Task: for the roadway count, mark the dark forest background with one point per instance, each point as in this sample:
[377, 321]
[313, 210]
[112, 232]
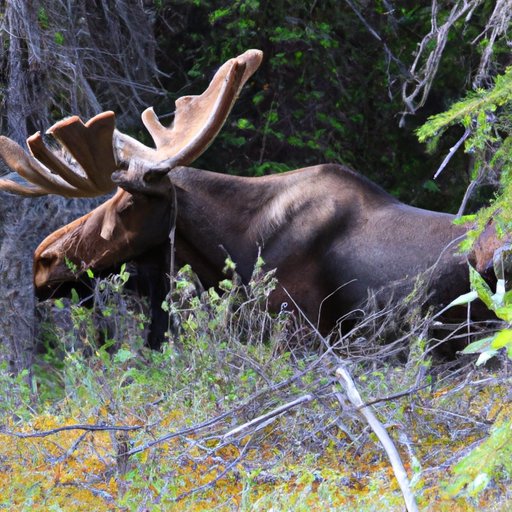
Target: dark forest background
[336, 84]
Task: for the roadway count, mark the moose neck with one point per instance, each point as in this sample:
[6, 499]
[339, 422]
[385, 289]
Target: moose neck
[215, 217]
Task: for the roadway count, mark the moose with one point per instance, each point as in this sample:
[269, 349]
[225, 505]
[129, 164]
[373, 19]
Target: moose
[332, 235]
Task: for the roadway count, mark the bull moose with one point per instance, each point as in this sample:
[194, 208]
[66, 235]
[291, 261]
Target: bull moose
[331, 234]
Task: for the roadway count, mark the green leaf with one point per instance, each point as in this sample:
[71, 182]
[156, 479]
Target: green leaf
[229, 266]
[485, 356]
[59, 38]
[504, 313]
[461, 300]
[226, 285]
[75, 299]
[478, 484]
[219, 14]
[123, 355]
[258, 98]
[479, 346]
[502, 339]
[245, 124]
[431, 186]
[479, 285]
[499, 297]
[465, 219]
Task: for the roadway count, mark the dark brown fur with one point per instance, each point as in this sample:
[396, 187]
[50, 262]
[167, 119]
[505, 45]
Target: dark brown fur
[331, 234]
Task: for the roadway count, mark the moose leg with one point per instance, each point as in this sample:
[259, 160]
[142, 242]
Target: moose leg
[152, 282]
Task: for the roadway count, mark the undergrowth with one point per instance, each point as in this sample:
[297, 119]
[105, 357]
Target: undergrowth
[241, 410]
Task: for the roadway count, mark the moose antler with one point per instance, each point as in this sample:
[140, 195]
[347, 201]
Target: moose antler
[90, 145]
[197, 121]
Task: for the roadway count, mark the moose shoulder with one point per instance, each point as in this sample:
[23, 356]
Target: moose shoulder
[332, 235]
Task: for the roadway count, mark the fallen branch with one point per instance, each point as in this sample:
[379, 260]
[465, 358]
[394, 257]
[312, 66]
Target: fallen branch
[264, 418]
[398, 468]
[221, 475]
[67, 454]
[89, 428]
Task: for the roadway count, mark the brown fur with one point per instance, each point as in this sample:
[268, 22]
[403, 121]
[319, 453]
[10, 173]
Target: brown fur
[331, 234]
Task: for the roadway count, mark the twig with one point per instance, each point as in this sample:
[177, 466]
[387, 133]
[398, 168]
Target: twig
[429, 65]
[89, 428]
[71, 450]
[353, 395]
[171, 435]
[265, 133]
[217, 478]
[379, 38]
[467, 419]
[452, 152]
[389, 398]
[97, 492]
[269, 415]
[467, 195]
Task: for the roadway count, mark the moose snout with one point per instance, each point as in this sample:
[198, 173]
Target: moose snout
[47, 267]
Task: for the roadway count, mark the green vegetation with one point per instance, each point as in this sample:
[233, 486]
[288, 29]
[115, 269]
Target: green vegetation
[116, 426]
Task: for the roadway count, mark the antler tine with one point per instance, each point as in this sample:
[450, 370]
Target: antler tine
[89, 144]
[197, 120]
[21, 190]
[29, 168]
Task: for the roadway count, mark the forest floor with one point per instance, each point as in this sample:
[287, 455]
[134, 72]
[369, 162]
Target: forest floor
[242, 411]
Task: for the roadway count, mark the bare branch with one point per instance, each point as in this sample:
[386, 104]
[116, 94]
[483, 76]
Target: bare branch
[271, 415]
[452, 152]
[497, 25]
[424, 68]
[401, 475]
[88, 428]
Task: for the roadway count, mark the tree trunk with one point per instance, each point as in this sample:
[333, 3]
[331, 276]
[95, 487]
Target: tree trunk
[23, 225]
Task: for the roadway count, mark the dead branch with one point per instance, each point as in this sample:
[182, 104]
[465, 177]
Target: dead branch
[452, 152]
[97, 492]
[496, 26]
[271, 415]
[353, 395]
[88, 428]
[67, 454]
[424, 68]
[221, 475]
[101, 55]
